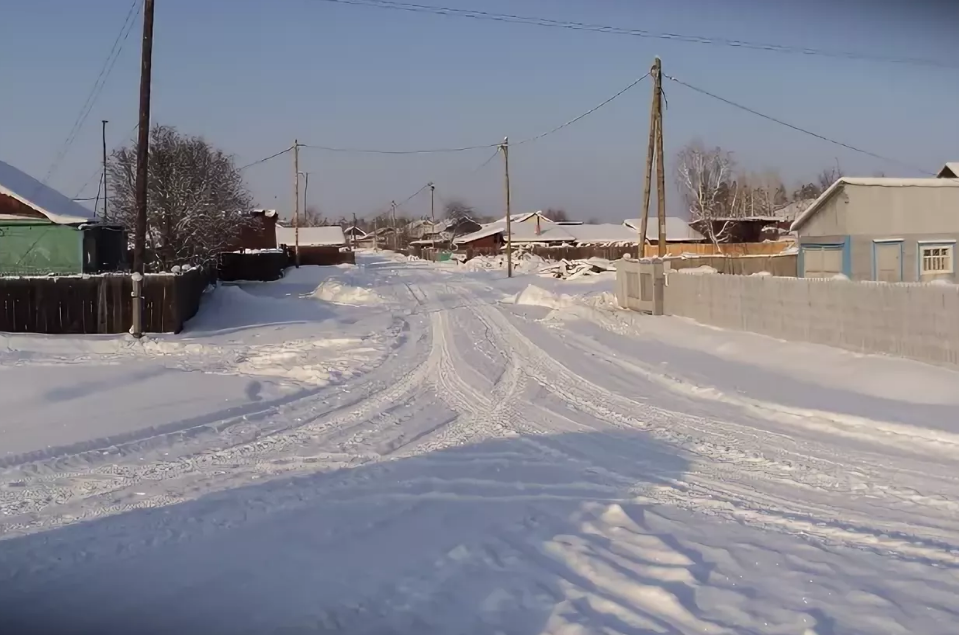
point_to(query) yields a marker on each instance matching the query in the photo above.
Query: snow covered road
(403, 447)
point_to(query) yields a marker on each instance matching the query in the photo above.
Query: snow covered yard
(408, 447)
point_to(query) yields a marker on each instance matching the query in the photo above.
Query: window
(935, 259)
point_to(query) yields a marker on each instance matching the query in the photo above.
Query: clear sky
(253, 75)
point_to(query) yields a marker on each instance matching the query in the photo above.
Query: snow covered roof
(269, 213)
(602, 233)
(326, 236)
(950, 170)
(866, 182)
(44, 200)
(677, 229)
(355, 230)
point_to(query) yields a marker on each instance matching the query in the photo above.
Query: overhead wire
(641, 33)
(487, 146)
(797, 128)
(98, 171)
(97, 88)
(265, 159)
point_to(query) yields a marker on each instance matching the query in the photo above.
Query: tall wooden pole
(433, 209)
(105, 181)
(395, 238)
(650, 158)
(143, 140)
(660, 161)
(296, 202)
(354, 231)
(509, 212)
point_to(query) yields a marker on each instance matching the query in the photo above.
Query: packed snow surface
(408, 447)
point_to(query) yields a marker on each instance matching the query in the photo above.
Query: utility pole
(354, 231)
(650, 158)
(296, 202)
(376, 231)
(104, 136)
(143, 156)
(509, 212)
(143, 142)
(306, 191)
(393, 223)
(433, 209)
(660, 161)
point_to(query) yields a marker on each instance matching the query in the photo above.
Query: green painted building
(43, 232)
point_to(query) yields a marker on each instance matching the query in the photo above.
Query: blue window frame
(843, 246)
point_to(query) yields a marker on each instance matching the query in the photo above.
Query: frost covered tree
(197, 201)
(704, 177)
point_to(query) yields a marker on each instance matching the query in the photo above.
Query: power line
(487, 146)
(641, 33)
(98, 85)
(582, 116)
(399, 152)
(265, 159)
(797, 128)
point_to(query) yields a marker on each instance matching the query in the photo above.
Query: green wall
(36, 248)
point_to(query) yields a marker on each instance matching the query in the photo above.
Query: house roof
(326, 236)
(355, 230)
(950, 170)
(677, 229)
(865, 182)
(269, 213)
(44, 200)
(602, 233)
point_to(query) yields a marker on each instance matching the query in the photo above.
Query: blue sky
(253, 75)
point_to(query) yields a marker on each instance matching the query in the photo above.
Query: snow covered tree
(704, 177)
(197, 201)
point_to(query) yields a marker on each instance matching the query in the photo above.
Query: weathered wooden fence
(323, 256)
(264, 266)
(99, 304)
(583, 252)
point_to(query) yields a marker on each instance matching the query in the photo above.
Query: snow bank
(705, 269)
(339, 293)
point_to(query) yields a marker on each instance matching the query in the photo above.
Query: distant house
(44, 232)
(677, 230)
(445, 232)
(883, 229)
(326, 236)
(950, 171)
(259, 232)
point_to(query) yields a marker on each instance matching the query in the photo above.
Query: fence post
(137, 298)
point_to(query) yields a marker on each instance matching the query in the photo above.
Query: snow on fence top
(45, 200)
(328, 236)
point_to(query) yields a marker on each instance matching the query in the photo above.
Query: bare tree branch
(197, 200)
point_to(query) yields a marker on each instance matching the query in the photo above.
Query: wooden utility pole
(353, 233)
(104, 136)
(143, 142)
(650, 158)
(296, 202)
(509, 212)
(433, 209)
(376, 231)
(306, 191)
(393, 224)
(657, 74)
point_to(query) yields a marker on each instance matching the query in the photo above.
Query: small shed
(43, 232)
(259, 232)
(885, 229)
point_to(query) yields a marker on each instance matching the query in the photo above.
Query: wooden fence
(323, 256)
(584, 252)
(780, 265)
(265, 266)
(99, 304)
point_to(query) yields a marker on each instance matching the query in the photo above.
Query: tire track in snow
(583, 393)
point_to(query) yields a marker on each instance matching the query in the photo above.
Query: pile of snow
(523, 263)
(533, 295)
(705, 269)
(575, 269)
(339, 293)
(761, 274)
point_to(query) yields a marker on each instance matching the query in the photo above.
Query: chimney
(538, 232)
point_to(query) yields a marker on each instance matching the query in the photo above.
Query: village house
(537, 229)
(44, 232)
(259, 232)
(887, 229)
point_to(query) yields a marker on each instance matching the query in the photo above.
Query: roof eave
(810, 211)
